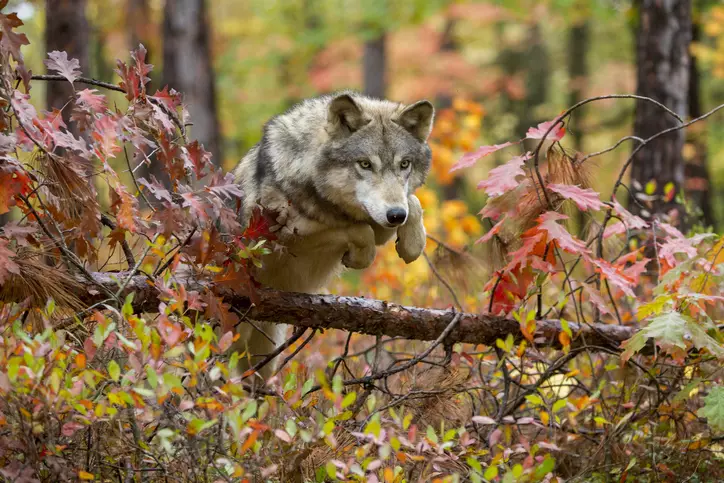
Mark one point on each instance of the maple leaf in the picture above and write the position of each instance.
(493, 231)
(259, 225)
(548, 223)
(596, 299)
(687, 246)
(130, 81)
(68, 68)
(713, 409)
(25, 110)
(229, 190)
(672, 331)
(171, 99)
(217, 309)
(470, 159)
(199, 158)
(11, 41)
(7, 265)
(161, 116)
(123, 206)
(139, 58)
(504, 178)
(105, 133)
(91, 101)
(585, 199)
(614, 276)
(13, 181)
(556, 133)
(156, 189)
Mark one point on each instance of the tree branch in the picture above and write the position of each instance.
(368, 316)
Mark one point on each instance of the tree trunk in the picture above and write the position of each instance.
(578, 45)
(374, 67)
(187, 67)
(140, 30)
(66, 30)
(698, 182)
(662, 59)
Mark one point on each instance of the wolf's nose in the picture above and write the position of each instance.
(396, 216)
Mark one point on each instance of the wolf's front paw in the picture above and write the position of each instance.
(361, 249)
(411, 239)
(411, 236)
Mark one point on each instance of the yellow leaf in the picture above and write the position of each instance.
(84, 475)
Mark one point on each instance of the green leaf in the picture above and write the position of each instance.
(558, 405)
(713, 409)
(669, 330)
(349, 399)
(491, 473)
(151, 376)
(431, 434)
(114, 370)
(545, 467)
(474, 464)
(249, 410)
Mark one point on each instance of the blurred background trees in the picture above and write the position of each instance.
(520, 61)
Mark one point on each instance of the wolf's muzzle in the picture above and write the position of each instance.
(396, 216)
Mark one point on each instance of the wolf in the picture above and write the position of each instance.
(338, 172)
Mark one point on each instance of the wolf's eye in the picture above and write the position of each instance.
(405, 163)
(364, 164)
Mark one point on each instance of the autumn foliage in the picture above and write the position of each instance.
(116, 391)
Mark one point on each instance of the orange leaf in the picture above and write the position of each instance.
(249, 441)
(80, 361)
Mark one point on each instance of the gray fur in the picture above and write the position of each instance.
(335, 169)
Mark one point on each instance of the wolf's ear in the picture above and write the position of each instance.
(417, 119)
(345, 114)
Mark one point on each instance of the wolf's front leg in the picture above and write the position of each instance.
(361, 249)
(411, 236)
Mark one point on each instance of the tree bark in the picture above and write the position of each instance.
(374, 67)
(662, 60)
(698, 181)
(66, 30)
(366, 316)
(187, 67)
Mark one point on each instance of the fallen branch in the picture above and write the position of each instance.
(368, 316)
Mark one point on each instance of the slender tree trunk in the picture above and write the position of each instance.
(187, 67)
(66, 30)
(578, 45)
(138, 23)
(662, 59)
(374, 67)
(698, 181)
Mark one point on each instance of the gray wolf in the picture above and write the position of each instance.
(339, 172)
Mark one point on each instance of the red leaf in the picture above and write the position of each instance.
(11, 41)
(493, 231)
(70, 428)
(92, 102)
(259, 226)
(617, 278)
(504, 178)
(68, 68)
(547, 222)
(228, 189)
(470, 159)
(170, 99)
(556, 133)
(200, 158)
(584, 198)
(170, 332)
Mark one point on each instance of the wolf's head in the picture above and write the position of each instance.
(376, 155)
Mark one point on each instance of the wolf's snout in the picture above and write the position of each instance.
(396, 216)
